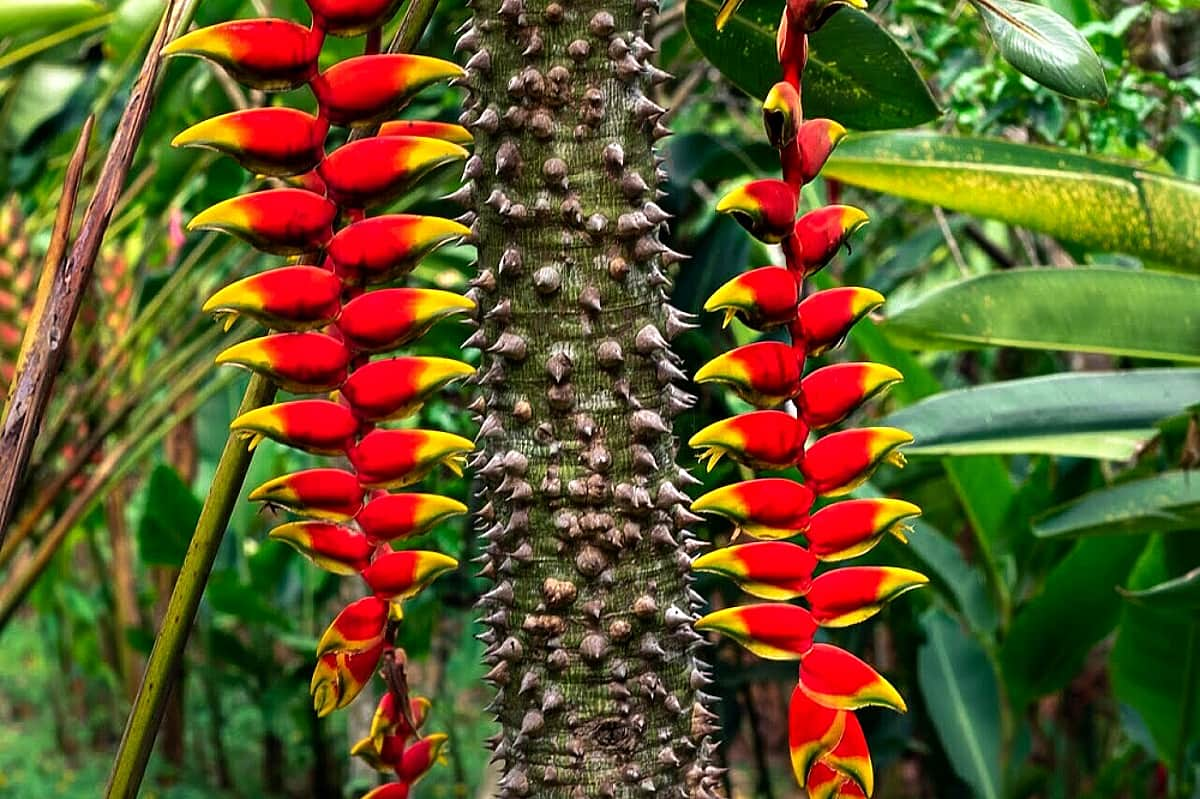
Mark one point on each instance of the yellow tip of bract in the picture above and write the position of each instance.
(864, 300)
(736, 200)
(853, 218)
(837, 131)
(197, 41)
(721, 368)
(726, 12)
(225, 215)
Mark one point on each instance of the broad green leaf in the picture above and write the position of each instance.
(1077, 607)
(19, 16)
(1178, 594)
(856, 73)
(1159, 504)
(1106, 415)
(1156, 656)
(168, 518)
(42, 91)
(1107, 310)
(959, 686)
(1103, 205)
(1044, 46)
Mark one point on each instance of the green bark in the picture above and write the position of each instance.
(589, 622)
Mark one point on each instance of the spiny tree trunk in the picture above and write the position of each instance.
(590, 637)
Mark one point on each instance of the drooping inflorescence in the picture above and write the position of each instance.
(828, 749)
(329, 317)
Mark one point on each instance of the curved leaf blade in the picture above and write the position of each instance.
(1106, 310)
(1041, 44)
(1103, 205)
(1162, 503)
(1178, 594)
(856, 74)
(1104, 415)
(20, 16)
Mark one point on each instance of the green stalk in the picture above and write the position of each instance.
(1182, 777)
(142, 726)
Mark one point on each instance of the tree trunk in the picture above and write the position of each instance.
(590, 636)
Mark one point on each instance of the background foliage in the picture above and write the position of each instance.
(1041, 258)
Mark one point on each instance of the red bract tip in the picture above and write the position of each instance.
(773, 631)
(386, 247)
(849, 528)
(767, 208)
(387, 319)
(769, 507)
(298, 362)
(824, 782)
(421, 756)
(390, 790)
(827, 316)
(816, 141)
(830, 394)
(400, 575)
(352, 17)
(340, 676)
(764, 374)
(374, 170)
(819, 233)
(840, 462)
(392, 516)
(782, 115)
(359, 627)
(763, 298)
(813, 731)
(394, 388)
(760, 439)
(333, 547)
(768, 569)
(841, 597)
(835, 678)
(318, 426)
(852, 758)
(267, 54)
(791, 49)
(369, 89)
(289, 298)
(278, 221)
(396, 458)
(268, 141)
(446, 131)
(332, 494)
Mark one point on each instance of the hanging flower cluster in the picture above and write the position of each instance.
(329, 319)
(828, 750)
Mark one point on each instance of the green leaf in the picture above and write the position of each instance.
(1106, 415)
(1178, 594)
(959, 686)
(1103, 205)
(1077, 607)
(19, 16)
(1106, 310)
(1044, 46)
(226, 593)
(856, 73)
(1155, 658)
(169, 516)
(1159, 504)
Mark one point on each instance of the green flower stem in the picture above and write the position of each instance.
(146, 715)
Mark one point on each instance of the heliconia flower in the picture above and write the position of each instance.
(820, 232)
(810, 15)
(340, 677)
(289, 298)
(851, 756)
(769, 507)
(766, 297)
(396, 458)
(841, 597)
(352, 17)
(389, 517)
(773, 630)
(389, 790)
(386, 319)
(298, 362)
(394, 388)
(359, 627)
(764, 373)
(328, 494)
(318, 426)
(277, 221)
(782, 115)
(385, 247)
(403, 574)
(791, 48)
(813, 731)
(447, 131)
(421, 756)
(369, 89)
(824, 782)
(333, 547)
(835, 678)
(829, 394)
(269, 141)
(840, 462)
(388, 720)
(268, 54)
(847, 529)
(827, 316)
(816, 140)
(759, 439)
(767, 569)
(767, 208)
(376, 169)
